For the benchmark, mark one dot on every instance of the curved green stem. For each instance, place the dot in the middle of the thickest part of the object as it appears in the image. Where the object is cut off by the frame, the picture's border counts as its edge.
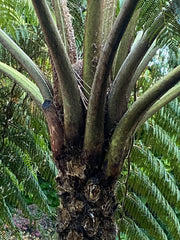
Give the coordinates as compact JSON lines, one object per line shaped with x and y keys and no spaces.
{"x":165,"y":99}
{"x":143,"y":64}
{"x":28,"y":64}
{"x":27,"y":85}
{"x":126,"y":127}
{"x":94,"y":133}
{"x":117,"y":103}
{"x":69,"y":88}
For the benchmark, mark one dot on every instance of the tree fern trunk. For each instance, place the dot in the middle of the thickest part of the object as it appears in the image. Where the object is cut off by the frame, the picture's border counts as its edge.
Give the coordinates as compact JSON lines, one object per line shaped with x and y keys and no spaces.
{"x":87,"y":201}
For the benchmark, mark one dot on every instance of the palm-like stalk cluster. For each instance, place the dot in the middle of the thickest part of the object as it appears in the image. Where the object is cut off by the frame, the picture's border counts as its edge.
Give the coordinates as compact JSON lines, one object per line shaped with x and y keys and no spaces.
{"x":102,"y":128}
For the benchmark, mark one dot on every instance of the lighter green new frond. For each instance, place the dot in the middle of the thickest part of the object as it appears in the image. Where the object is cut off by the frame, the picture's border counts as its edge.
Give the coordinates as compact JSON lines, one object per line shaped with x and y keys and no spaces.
{"x":24,"y":82}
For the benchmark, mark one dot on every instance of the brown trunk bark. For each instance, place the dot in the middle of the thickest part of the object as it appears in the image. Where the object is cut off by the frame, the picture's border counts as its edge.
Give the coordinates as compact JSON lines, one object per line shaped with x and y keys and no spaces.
{"x":87,"y":200}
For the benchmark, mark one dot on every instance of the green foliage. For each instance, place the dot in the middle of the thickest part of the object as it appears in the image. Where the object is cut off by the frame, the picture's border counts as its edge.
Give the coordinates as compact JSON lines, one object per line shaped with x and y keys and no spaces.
{"x":170,"y":34}
{"x":24,"y":152}
{"x":150,"y":199}
{"x":20,"y":22}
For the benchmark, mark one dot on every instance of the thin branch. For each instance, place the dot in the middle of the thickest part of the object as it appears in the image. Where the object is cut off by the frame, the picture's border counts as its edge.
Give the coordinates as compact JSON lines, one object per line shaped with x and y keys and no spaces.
{"x":69,"y":88}
{"x":127,"y":125}
{"x":94,"y":134}
{"x":43,"y":85}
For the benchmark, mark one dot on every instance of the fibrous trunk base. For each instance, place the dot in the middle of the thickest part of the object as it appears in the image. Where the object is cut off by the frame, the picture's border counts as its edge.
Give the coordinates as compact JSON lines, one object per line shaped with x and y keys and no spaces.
{"x":87,"y":203}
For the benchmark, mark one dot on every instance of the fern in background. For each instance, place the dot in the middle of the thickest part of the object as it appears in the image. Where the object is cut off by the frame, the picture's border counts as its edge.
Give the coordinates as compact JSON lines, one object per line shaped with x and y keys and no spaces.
{"x":24,"y":140}
{"x":24,"y":153}
{"x":149,"y":188}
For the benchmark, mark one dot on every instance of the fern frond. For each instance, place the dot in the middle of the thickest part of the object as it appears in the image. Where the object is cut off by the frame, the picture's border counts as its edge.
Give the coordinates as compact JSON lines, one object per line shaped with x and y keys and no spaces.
{"x":11,"y":192}
{"x":24,"y":175}
{"x":162,"y":144}
{"x":140,"y":184}
{"x":156,"y":171}
{"x":169,"y":122}
{"x":170,"y":34}
{"x":27,"y":141}
{"x":132,"y":231}
{"x":136,"y":210}
{"x":6,"y":217}
{"x":175,"y":107}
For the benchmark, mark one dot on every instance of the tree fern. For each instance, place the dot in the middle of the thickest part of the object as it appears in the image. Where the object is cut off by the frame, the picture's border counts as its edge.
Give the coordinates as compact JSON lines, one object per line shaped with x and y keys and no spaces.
{"x":145,"y":197}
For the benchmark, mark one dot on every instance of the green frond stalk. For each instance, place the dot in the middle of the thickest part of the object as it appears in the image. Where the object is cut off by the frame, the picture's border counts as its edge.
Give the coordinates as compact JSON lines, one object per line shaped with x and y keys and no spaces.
{"x":92,"y":42}
{"x":69,"y":88}
{"x":166,"y":98}
{"x":125,"y":44}
{"x":28,"y":64}
{"x":126,"y":127}
{"x":94,"y":130}
{"x":24,"y":82}
{"x":117,"y":103}
{"x":109,"y":17}
{"x":143,"y":64}
{"x":59,"y":20}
